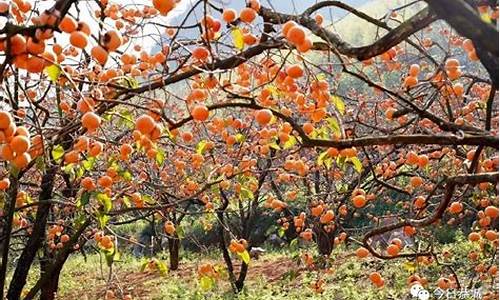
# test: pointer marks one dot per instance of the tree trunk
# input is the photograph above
(173, 251)
(10, 208)
(29, 252)
(240, 283)
(49, 290)
(324, 241)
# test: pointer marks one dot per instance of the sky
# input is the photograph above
(175, 16)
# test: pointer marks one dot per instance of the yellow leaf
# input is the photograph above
(320, 76)
(410, 266)
(237, 38)
(339, 104)
(486, 17)
(53, 71)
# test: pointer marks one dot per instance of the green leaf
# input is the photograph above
(339, 103)
(200, 147)
(148, 199)
(294, 243)
(240, 138)
(246, 194)
(53, 72)
(126, 119)
(126, 175)
(160, 157)
(162, 267)
(84, 199)
(57, 153)
(79, 172)
(128, 82)
(144, 265)
(107, 116)
(245, 256)
(281, 232)
(357, 164)
(40, 163)
(89, 163)
(334, 126)
(486, 17)
(126, 201)
(290, 143)
(321, 158)
(341, 162)
(206, 283)
(111, 256)
(179, 230)
(102, 219)
(328, 163)
(69, 169)
(274, 145)
(105, 200)
(237, 35)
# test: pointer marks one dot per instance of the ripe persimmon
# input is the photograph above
(5, 119)
(4, 184)
(410, 81)
(229, 15)
(68, 24)
(392, 250)
(491, 211)
(456, 207)
(416, 181)
(20, 144)
(91, 121)
(169, 228)
(295, 71)
(296, 35)
(145, 124)
(112, 40)
(78, 39)
(164, 6)
(17, 44)
(35, 64)
(105, 181)
(6, 152)
(187, 136)
(96, 149)
(200, 53)
(414, 70)
(72, 157)
(263, 116)
(287, 26)
(359, 201)
(21, 160)
(35, 47)
(474, 236)
(99, 54)
(308, 128)
(200, 113)
(376, 278)
(362, 252)
(247, 15)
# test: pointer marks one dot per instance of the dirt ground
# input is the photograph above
(142, 285)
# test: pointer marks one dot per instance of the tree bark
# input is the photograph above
(11, 206)
(173, 251)
(29, 252)
(49, 290)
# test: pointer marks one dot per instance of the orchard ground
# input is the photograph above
(277, 274)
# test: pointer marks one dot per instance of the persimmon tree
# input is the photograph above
(246, 108)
